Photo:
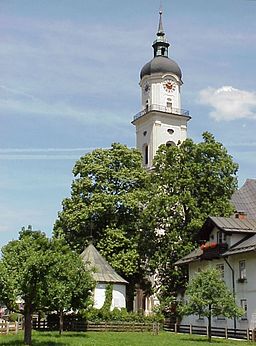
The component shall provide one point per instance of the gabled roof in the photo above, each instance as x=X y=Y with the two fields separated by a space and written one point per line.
x=245 y=246
x=228 y=225
x=103 y=272
x=244 y=199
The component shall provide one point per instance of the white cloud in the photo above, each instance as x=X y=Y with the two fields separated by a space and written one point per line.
x=229 y=103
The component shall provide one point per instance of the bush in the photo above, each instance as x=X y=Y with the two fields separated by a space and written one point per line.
x=120 y=315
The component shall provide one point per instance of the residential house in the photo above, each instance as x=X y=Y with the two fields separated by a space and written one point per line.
x=229 y=244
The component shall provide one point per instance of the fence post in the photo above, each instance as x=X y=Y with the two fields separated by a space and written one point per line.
x=16 y=327
x=248 y=334
x=253 y=334
x=175 y=327
x=7 y=327
x=226 y=333
x=190 y=329
x=207 y=330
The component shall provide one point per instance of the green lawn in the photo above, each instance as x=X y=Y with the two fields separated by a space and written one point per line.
x=116 y=339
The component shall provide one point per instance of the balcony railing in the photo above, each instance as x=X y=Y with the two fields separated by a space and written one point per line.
x=171 y=110
x=213 y=250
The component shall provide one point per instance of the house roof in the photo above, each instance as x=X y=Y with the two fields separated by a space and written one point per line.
x=244 y=199
x=103 y=272
x=191 y=257
x=245 y=246
x=228 y=225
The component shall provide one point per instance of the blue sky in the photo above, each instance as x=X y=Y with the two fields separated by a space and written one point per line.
x=69 y=73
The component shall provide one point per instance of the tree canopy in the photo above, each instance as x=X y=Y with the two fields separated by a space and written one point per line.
x=189 y=182
x=208 y=296
x=145 y=221
x=106 y=202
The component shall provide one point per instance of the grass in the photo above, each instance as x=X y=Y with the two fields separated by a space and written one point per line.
x=115 y=339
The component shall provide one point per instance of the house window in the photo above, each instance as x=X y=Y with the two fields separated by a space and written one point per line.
x=220 y=267
x=219 y=237
x=243 y=303
x=242 y=270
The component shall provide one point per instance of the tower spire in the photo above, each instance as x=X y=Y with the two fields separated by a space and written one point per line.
x=160 y=25
x=160 y=45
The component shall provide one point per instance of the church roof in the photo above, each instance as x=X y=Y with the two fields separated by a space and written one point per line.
x=103 y=272
x=244 y=199
x=161 y=64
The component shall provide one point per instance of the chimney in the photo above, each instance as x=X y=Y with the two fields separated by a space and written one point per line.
x=241 y=215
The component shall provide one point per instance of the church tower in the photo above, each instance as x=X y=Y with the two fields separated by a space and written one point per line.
x=161 y=120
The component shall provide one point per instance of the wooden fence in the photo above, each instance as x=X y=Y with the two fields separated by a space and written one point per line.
x=77 y=325
x=242 y=334
x=10 y=327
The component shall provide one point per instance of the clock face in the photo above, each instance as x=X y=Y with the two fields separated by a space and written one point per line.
x=146 y=88
x=169 y=85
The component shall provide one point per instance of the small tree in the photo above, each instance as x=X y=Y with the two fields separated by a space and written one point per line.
x=69 y=283
x=43 y=274
x=209 y=296
x=23 y=271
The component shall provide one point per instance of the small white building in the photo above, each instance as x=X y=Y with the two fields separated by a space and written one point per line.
x=104 y=274
x=228 y=244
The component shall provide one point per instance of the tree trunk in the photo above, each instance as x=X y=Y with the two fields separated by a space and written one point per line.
x=210 y=324
x=61 y=322
x=27 y=327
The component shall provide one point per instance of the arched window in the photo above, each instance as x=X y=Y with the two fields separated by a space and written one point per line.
x=169 y=103
x=147 y=105
x=170 y=144
x=146 y=154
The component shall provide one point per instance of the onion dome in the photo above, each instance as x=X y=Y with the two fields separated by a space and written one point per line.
x=161 y=63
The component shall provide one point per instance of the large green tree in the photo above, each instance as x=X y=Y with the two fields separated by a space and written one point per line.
x=208 y=296
x=189 y=182
x=107 y=197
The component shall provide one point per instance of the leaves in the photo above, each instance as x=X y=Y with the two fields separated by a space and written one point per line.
x=107 y=197
x=209 y=296
x=189 y=182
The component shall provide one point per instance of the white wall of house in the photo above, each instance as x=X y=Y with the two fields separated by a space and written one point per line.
x=119 y=296
x=245 y=292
